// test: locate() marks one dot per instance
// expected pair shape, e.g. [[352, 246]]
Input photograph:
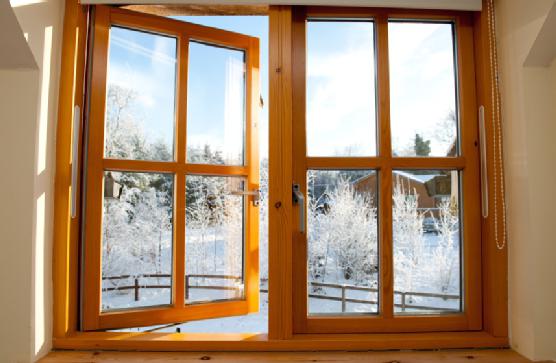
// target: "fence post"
[[343, 298], [136, 287], [186, 287], [403, 301]]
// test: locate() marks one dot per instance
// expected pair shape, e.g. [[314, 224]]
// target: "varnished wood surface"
[[455, 356], [467, 162], [204, 9], [98, 163], [66, 230]]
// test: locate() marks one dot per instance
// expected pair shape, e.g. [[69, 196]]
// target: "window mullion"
[[178, 288], [386, 266]]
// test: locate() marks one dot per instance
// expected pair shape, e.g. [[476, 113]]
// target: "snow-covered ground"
[[425, 263], [258, 322], [251, 323]]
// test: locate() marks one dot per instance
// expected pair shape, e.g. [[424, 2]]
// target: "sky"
[[341, 111], [146, 64]]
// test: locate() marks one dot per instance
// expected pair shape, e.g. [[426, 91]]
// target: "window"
[[374, 180], [384, 149], [172, 148]]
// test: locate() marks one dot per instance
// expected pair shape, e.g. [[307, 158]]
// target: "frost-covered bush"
[[424, 263], [137, 233], [342, 221], [409, 242], [445, 256], [263, 220], [214, 226], [342, 234]]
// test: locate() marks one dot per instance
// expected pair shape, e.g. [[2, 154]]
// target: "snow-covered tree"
[[409, 242], [445, 132], [153, 231], [342, 233], [445, 255], [263, 219], [125, 137], [199, 218]]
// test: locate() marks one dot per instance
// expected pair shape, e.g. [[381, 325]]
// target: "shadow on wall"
[[41, 22]]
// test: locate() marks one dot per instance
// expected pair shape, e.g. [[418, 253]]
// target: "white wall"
[[529, 126], [16, 161], [28, 104]]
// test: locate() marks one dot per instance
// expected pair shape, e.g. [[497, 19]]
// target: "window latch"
[[255, 193], [299, 199]]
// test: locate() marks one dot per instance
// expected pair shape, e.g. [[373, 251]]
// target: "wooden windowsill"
[[260, 342], [453, 356]]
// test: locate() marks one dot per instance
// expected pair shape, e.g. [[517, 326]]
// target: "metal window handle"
[[256, 193], [298, 198], [483, 150], [75, 159]]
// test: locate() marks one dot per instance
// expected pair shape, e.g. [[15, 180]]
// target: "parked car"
[[430, 225]]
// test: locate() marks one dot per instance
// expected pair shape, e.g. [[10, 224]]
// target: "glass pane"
[[137, 240], [140, 98], [427, 244], [215, 105], [341, 118], [214, 238], [342, 241], [423, 108]]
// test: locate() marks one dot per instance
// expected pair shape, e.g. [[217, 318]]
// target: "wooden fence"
[[404, 301]]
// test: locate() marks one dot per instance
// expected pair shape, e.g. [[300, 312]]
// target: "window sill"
[[261, 342]]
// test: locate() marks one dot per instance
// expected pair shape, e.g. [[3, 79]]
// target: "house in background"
[[430, 188]]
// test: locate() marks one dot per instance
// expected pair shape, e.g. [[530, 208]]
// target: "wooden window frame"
[[467, 163], [97, 163], [281, 335]]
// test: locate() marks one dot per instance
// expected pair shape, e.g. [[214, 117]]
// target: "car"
[[430, 225]]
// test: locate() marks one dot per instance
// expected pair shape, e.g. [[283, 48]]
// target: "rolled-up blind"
[[414, 4]]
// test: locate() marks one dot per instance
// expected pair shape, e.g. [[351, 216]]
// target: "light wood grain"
[[455, 356], [66, 229], [385, 163], [280, 173], [65, 266], [196, 10], [195, 342], [97, 163], [494, 260]]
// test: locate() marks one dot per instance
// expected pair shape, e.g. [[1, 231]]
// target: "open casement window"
[[171, 152], [386, 154]]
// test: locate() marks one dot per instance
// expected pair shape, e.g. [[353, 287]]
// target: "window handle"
[[299, 199], [255, 193], [75, 159], [484, 175]]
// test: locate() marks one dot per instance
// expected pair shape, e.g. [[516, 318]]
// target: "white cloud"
[[421, 81], [341, 101]]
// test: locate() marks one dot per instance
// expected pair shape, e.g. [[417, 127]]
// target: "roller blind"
[[414, 4]]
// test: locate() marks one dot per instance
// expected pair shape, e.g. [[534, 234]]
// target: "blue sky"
[[146, 64], [340, 84], [213, 129], [340, 89]]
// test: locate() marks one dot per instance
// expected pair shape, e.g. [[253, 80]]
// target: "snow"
[[421, 178], [342, 233]]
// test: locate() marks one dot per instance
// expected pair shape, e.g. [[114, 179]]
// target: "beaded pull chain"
[[497, 134]]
